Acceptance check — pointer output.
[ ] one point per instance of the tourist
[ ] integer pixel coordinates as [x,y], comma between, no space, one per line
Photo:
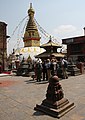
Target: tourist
[44,71]
[64,65]
[38,71]
[48,68]
[54,67]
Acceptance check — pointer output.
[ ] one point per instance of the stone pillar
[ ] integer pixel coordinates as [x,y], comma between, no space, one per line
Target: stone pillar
[55,104]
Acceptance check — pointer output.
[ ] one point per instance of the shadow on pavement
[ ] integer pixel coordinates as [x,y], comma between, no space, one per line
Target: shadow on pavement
[34,81]
[42,82]
[30,81]
[38,113]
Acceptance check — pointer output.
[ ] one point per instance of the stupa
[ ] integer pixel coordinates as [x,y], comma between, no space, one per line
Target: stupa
[31,37]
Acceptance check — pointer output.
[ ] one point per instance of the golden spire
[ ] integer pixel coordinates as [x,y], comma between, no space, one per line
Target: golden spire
[31,10]
[31,23]
[30,5]
[31,36]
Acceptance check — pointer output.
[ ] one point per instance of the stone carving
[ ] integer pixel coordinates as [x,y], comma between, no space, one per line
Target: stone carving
[55,104]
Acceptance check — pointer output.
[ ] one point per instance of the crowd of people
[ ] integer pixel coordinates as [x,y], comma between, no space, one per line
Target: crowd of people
[47,68]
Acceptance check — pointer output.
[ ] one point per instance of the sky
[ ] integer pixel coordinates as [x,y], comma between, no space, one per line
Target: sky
[60,18]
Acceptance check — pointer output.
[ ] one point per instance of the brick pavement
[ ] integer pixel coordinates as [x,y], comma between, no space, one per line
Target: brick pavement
[17,100]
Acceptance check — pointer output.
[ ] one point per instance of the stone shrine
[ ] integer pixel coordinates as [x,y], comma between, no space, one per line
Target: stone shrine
[51,51]
[31,37]
[55,104]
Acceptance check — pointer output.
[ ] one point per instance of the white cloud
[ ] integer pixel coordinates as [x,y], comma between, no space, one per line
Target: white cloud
[65,29]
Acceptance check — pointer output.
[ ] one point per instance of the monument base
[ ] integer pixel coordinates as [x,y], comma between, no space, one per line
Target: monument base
[56,109]
[73,70]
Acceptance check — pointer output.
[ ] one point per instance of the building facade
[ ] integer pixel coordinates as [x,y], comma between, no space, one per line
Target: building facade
[75,48]
[3,44]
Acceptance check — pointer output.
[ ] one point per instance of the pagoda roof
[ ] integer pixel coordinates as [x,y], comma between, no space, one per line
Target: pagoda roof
[45,55]
[51,43]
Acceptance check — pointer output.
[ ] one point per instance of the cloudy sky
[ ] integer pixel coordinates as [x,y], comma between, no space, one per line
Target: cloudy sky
[60,18]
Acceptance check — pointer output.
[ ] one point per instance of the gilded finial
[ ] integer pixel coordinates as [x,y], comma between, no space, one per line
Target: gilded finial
[31,9]
[30,5]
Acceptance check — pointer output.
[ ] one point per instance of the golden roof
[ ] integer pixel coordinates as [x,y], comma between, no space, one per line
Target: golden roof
[31,35]
[31,25]
[31,9]
[45,55]
[51,43]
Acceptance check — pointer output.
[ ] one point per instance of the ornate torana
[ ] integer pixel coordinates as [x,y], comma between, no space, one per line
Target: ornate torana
[31,36]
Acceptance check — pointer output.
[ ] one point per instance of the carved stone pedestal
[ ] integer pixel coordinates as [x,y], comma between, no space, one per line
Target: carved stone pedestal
[73,70]
[55,104]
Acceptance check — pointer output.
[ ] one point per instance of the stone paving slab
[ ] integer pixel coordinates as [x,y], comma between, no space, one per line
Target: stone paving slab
[17,100]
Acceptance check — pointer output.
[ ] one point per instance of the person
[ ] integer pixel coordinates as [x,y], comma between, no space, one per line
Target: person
[48,68]
[54,67]
[64,65]
[0,68]
[59,70]
[44,71]
[38,71]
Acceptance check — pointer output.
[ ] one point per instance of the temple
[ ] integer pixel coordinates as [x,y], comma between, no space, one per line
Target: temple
[51,50]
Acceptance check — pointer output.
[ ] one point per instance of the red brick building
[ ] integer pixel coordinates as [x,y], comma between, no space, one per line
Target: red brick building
[3,43]
[75,48]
